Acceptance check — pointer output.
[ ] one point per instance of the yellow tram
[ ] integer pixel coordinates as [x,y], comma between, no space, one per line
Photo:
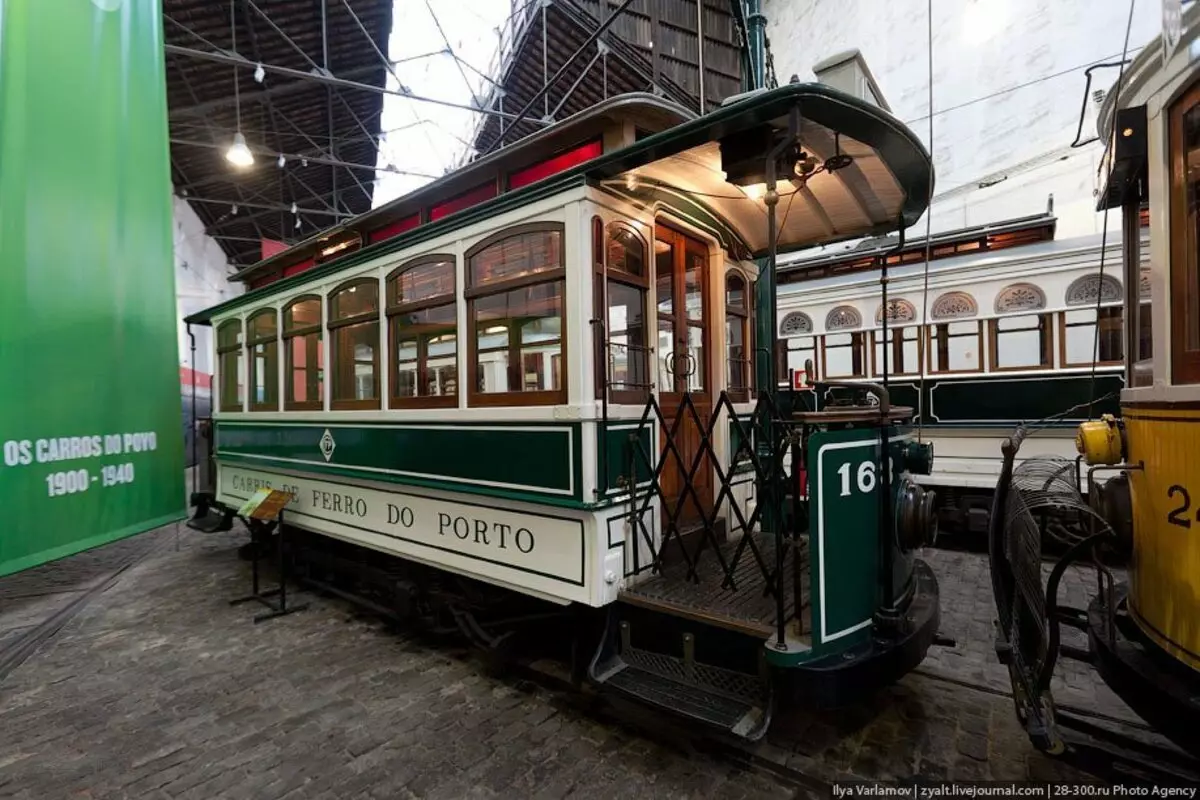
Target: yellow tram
[1153,160]
[1143,634]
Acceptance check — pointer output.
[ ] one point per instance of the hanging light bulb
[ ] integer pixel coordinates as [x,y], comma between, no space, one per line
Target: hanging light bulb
[304,162]
[281,161]
[239,154]
[297,223]
[260,74]
[234,210]
[294,210]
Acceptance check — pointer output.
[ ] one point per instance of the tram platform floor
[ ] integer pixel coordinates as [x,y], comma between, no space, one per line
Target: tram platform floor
[745,607]
[140,680]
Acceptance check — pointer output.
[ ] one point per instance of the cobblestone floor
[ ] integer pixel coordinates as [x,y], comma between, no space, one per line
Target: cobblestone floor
[158,688]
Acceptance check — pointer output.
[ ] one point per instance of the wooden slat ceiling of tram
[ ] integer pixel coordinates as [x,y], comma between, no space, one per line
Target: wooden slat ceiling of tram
[280,115]
[672,64]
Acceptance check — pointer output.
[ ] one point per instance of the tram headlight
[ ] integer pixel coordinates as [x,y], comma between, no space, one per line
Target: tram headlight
[916,519]
[1101,441]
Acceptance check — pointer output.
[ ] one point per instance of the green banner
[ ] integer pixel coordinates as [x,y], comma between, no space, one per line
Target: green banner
[90,415]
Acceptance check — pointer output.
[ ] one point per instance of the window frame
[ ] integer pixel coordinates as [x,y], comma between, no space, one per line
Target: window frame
[223,350]
[602,277]
[877,334]
[746,315]
[1185,364]
[1045,322]
[1062,334]
[393,309]
[286,334]
[332,325]
[251,361]
[471,293]
[862,347]
[931,347]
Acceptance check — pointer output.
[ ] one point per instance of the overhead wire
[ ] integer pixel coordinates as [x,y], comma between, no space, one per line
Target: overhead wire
[928,239]
[1104,225]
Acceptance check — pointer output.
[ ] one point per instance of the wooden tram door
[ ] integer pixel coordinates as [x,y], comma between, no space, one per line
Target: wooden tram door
[684,366]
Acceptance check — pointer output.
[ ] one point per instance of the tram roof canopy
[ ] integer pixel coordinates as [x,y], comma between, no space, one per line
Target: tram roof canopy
[885,185]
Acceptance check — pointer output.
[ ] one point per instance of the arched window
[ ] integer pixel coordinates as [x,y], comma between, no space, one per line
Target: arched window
[423,331]
[795,323]
[1023,341]
[795,347]
[955,346]
[954,305]
[623,357]
[898,311]
[229,364]
[843,354]
[516,286]
[1079,343]
[739,335]
[354,336]
[904,346]
[304,355]
[1087,289]
[843,318]
[262,339]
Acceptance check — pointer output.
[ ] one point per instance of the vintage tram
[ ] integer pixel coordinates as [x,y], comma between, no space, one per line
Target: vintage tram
[1143,635]
[542,385]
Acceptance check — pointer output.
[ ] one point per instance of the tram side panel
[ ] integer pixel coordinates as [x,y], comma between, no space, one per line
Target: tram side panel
[549,546]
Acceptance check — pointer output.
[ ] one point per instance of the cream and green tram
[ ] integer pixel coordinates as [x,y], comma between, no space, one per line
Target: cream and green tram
[533,390]
[1143,633]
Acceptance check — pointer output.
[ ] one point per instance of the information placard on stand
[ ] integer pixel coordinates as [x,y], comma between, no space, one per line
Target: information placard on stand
[262,513]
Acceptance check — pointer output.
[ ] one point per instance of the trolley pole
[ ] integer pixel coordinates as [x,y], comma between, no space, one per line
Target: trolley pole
[756,23]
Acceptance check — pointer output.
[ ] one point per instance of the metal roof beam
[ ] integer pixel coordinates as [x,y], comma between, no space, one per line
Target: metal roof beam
[335,162]
[275,92]
[543,93]
[332,80]
[319,212]
[187,84]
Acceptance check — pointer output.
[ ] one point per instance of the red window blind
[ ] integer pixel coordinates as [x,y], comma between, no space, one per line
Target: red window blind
[465,200]
[552,166]
[395,229]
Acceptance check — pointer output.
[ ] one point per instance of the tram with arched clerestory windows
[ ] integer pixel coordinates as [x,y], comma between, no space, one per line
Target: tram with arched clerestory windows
[539,391]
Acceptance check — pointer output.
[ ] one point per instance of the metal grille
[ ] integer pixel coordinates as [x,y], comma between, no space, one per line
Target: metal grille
[769,473]
[735,685]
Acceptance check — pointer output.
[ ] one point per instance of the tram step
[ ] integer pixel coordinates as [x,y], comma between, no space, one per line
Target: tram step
[739,717]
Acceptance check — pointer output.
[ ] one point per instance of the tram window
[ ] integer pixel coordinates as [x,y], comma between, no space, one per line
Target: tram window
[1021,342]
[1079,342]
[1185,237]
[230,365]
[904,356]
[623,357]
[739,336]
[796,351]
[423,331]
[844,355]
[304,366]
[515,305]
[1142,367]
[354,332]
[262,340]
[955,347]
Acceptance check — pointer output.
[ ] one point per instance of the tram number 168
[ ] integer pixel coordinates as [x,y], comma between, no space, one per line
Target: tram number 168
[864,477]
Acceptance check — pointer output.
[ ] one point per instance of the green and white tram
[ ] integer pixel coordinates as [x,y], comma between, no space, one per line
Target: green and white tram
[545,380]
